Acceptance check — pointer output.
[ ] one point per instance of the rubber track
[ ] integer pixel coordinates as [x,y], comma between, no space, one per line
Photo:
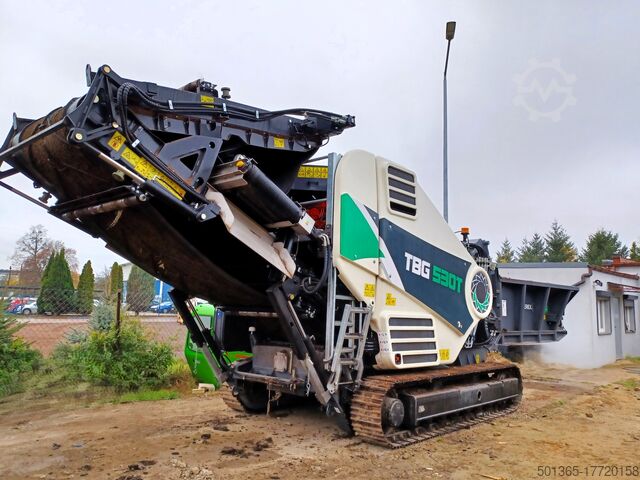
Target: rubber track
[230,400]
[366,405]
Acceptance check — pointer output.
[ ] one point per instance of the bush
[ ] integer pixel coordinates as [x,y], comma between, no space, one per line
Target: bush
[180,376]
[128,361]
[16,357]
[103,316]
[76,336]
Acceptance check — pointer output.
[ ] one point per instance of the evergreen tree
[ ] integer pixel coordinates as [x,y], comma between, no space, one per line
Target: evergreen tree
[140,290]
[43,301]
[532,250]
[506,253]
[634,253]
[85,289]
[115,280]
[57,294]
[558,245]
[67,293]
[45,272]
[602,245]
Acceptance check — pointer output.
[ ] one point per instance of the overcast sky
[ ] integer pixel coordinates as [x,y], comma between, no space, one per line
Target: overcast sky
[530,140]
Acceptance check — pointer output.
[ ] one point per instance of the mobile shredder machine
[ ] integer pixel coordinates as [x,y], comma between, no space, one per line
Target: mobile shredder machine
[337,274]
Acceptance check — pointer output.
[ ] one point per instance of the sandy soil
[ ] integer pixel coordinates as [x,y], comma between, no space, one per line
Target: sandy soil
[568,417]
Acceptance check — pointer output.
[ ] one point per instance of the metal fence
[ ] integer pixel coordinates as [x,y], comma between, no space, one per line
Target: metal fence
[49,317]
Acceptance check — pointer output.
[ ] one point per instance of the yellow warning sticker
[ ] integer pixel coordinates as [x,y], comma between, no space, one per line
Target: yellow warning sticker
[444,354]
[313,172]
[390,300]
[207,99]
[116,141]
[369,290]
[278,142]
[144,168]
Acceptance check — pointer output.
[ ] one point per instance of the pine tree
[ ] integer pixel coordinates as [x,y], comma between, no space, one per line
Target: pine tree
[67,291]
[44,302]
[602,245]
[634,253]
[85,289]
[45,272]
[140,290]
[115,280]
[506,253]
[558,245]
[57,294]
[532,250]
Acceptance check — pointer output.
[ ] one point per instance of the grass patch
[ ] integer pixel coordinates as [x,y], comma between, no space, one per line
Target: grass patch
[629,383]
[633,359]
[147,396]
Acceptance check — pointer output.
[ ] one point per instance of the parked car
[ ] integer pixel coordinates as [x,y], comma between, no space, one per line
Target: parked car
[16,304]
[13,307]
[29,308]
[163,307]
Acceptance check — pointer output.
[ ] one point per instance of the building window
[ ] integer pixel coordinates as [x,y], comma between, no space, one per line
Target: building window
[629,316]
[604,316]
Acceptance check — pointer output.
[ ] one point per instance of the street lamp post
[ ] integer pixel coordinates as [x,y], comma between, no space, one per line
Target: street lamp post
[450,32]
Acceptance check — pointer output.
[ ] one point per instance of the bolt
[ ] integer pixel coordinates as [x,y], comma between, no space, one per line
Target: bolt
[96,99]
[78,136]
[115,125]
[203,216]
[291,296]
[118,176]
[106,69]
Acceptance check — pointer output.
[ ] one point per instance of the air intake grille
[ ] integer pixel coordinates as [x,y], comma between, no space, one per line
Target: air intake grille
[414,338]
[402,191]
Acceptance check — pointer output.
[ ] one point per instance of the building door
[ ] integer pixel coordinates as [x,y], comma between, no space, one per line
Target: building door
[616,320]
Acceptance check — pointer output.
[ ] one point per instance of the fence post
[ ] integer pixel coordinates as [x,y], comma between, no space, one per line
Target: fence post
[118,303]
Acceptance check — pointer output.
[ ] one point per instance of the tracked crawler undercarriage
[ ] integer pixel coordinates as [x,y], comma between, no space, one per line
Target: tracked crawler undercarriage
[440,401]
[443,401]
[337,273]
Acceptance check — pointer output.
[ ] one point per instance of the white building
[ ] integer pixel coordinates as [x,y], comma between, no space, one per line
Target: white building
[601,320]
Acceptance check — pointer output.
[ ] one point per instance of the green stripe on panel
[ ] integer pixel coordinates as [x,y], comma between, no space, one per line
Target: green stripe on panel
[357,240]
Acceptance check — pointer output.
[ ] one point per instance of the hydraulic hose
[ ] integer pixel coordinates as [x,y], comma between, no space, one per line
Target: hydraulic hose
[325,268]
[200,108]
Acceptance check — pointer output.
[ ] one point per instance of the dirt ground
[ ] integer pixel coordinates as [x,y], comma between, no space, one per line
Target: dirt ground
[570,417]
